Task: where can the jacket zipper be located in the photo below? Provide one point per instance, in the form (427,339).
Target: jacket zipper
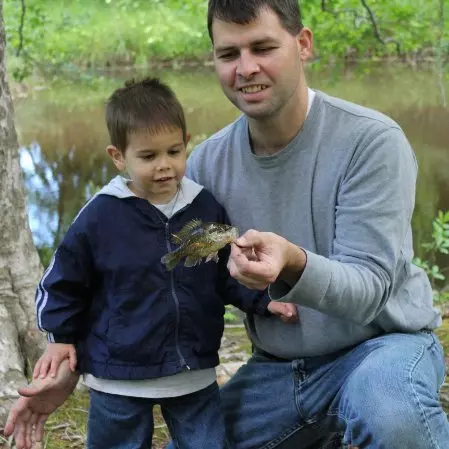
(175,297)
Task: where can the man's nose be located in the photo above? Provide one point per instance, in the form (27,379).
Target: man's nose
(247,65)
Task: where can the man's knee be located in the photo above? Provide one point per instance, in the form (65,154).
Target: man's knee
(399,426)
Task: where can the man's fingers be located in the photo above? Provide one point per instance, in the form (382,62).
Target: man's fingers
(291,309)
(249,272)
(19,436)
(40,427)
(10,422)
(248,239)
(72,359)
(29,430)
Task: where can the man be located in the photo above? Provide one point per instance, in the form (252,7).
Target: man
(331,186)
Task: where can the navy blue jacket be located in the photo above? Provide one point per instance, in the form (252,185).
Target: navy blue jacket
(107,292)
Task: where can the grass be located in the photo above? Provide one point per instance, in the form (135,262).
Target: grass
(443,335)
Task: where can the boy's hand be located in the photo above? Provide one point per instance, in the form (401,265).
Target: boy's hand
(286,311)
(52,358)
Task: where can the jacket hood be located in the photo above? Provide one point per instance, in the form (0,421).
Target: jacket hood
(118,187)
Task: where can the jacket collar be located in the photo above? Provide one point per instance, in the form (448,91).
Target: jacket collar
(118,187)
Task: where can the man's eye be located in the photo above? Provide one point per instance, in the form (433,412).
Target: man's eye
(264,49)
(227,56)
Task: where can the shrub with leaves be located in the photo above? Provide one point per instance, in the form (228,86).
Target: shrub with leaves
(438,245)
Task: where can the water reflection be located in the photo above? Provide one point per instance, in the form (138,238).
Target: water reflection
(64,136)
(57,189)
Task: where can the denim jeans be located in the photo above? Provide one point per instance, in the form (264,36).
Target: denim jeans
(123,422)
(382,393)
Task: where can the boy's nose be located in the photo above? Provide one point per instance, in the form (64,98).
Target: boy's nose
(163,164)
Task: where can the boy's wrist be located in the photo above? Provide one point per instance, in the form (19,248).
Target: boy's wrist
(262,306)
(64,339)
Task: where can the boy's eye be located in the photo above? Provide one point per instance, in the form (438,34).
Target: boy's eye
(174,152)
(147,156)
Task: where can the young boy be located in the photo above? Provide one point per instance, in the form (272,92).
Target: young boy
(140,334)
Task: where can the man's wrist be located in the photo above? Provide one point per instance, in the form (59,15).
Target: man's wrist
(296,260)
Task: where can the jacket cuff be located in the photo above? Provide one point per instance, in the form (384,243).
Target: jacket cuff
(262,306)
(65,339)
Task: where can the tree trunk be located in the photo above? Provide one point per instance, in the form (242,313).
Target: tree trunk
(20,269)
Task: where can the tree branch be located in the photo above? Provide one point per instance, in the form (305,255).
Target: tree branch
(22,22)
(372,19)
(377,30)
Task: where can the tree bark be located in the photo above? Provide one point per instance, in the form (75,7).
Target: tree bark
(20,269)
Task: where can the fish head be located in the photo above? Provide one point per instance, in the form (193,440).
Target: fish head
(223,233)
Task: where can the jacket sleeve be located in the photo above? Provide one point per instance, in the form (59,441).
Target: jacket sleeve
(250,301)
(232,292)
(64,292)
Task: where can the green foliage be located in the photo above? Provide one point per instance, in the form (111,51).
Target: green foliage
(69,35)
(438,245)
(346,28)
(63,35)
(45,254)
(230,316)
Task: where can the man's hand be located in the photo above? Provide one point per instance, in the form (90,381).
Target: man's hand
(37,401)
(259,258)
(286,311)
(52,358)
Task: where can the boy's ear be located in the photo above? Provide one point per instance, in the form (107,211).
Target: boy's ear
(188,136)
(117,157)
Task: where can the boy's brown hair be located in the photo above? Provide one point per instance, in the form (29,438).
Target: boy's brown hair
(145,104)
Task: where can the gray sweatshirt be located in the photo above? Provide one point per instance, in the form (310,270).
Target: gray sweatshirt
(344,190)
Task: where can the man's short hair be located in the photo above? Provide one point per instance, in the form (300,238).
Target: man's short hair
(246,11)
(145,104)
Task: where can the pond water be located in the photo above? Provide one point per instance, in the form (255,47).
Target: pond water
(63,136)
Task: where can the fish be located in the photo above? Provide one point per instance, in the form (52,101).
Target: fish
(199,240)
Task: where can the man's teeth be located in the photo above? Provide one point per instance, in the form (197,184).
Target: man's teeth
(253,89)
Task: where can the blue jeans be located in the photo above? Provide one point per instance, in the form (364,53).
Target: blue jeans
(383,393)
(195,420)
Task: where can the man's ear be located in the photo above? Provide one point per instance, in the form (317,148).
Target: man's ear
(305,42)
(117,157)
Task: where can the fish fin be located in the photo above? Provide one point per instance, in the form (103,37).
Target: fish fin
(192,261)
(185,232)
(212,256)
(170,260)
(175,239)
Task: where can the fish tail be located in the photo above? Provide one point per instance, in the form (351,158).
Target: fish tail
(170,260)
